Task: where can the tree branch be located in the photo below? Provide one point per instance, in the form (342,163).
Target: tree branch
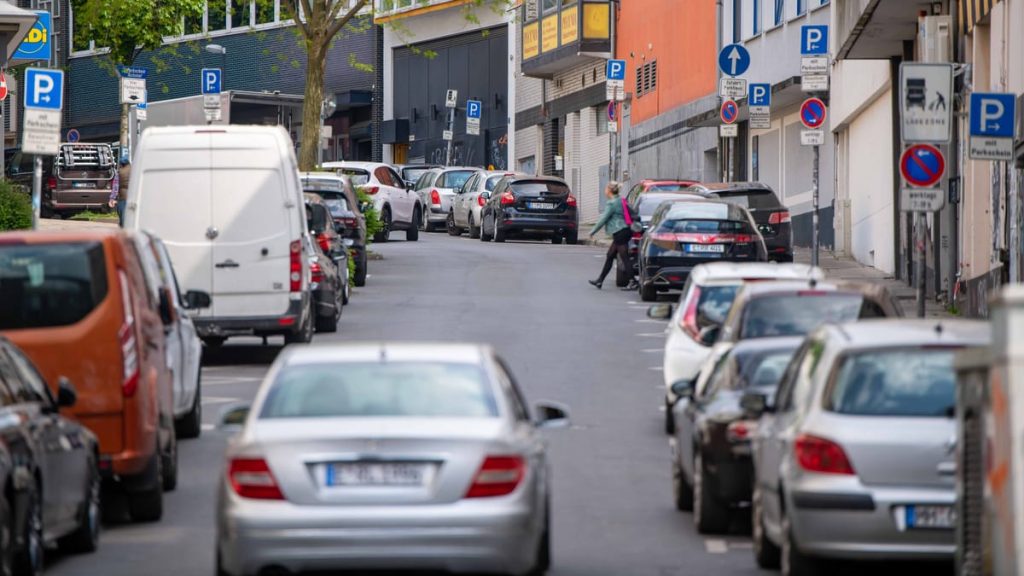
(338,24)
(292,14)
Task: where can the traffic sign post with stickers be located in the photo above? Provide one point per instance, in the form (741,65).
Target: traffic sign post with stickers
(922,167)
(814,76)
(211,83)
(615,90)
(44,99)
(474,109)
(733,61)
(451,101)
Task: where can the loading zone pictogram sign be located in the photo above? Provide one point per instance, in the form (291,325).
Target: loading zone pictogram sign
(926,106)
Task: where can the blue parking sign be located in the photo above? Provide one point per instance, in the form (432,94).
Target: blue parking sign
(993,115)
(760,95)
(211,80)
(813,40)
(474,108)
(616,70)
(44,88)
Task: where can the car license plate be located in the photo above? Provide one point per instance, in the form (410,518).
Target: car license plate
(83,185)
(706,248)
(931,517)
(376,474)
(540,205)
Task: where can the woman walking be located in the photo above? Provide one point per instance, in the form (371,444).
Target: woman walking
(614,222)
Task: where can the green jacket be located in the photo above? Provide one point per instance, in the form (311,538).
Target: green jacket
(612,220)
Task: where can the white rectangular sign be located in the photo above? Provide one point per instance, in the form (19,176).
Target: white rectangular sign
(614,90)
(211,101)
(812,137)
(983,148)
(760,117)
(811,65)
(926,106)
(447,135)
(212,114)
(922,199)
(141,113)
(613,126)
(728,130)
(732,87)
(41,133)
(133,90)
(473,126)
(451,98)
(814,83)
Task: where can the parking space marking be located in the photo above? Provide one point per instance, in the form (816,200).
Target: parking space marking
(656,368)
(652,350)
(716,546)
(651,334)
(219,400)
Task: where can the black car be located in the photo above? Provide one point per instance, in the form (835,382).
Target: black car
(410,173)
(342,201)
(688,233)
(328,269)
(48,466)
(712,461)
(771,215)
(528,206)
(645,205)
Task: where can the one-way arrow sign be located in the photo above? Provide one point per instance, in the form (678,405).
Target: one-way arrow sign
(734,60)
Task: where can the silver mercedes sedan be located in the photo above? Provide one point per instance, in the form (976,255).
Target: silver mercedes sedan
(387,456)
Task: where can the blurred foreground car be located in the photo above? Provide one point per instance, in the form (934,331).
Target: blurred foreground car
(855,456)
(393,456)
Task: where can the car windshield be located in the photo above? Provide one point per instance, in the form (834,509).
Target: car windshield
(492,182)
(357,176)
(797,314)
(376,389)
(907,382)
(46,285)
(764,369)
(752,199)
(413,174)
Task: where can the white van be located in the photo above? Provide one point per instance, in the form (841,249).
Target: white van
(227,202)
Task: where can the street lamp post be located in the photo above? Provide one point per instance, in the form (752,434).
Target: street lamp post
(327,108)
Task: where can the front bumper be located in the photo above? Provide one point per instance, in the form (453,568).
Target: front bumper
(221,327)
(487,535)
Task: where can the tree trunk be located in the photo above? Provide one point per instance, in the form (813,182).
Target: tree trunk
(316,57)
(124,126)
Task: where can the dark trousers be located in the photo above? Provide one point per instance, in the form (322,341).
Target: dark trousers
(120,213)
(618,249)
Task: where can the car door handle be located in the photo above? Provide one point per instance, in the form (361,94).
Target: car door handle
(227,264)
(946,469)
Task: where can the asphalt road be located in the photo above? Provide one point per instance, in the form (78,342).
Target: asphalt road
(565,341)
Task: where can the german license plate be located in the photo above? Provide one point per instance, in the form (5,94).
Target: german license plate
(931,517)
(83,185)
(706,248)
(540,205)
(376,474)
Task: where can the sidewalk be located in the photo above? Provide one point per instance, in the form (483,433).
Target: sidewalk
(50,225)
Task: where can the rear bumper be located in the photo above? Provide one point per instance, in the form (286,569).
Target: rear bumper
(668,277)
(513,221)
(290,321)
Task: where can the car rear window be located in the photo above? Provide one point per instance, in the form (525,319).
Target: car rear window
(336,203)
(704,226)
(752,199)
(765,369)
(539,187)
(455,179)
(48,285)
(358,177)
(903,382)
(797,314)
(492,182)
(648,204)
(397,389)
(668,187)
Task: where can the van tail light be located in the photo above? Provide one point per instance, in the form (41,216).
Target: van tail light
(779,217)
(128,341)
(295,266)
(324,242)
(689,320)
(498,476)
(816,454)
(571,201)
(435,197)
(508,198)
(251,478)
(316,272)
(480,200)
(740,431)
(51,183)
(371,190)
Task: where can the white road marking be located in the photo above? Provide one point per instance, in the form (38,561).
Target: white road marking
(661,408)
(218,400)
(652,334)
(208,427)
(656,368)
(716,546)
(649,321)
(741,545)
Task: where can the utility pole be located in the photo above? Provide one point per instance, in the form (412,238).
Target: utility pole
(815,215)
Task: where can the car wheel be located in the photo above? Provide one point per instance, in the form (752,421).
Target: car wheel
(28,560)
(148,505)
(499,234)
(327,324)
(86,538)
(170,465)
(542,563)
(709,516)
(385,222)
(793,562)
(474,231)
(412,233)
(556,238)
(648,293)
(572,237)
(360,279)
(424,221)
(766,553)
(303,336)
(670,419)
(346,292)
(190,425)
(484,236)
(681,489)
(622,275)
(449,222)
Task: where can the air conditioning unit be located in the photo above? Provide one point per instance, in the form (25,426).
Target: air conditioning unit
(934,38)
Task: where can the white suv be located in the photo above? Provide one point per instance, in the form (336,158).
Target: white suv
(399,208)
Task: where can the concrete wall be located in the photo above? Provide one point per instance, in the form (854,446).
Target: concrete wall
(664,147)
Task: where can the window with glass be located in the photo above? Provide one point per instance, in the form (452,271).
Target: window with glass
(241,13)
(216,15)
(265,11)
(550,5)
(912,382)
(757,17)
(796,314)
(801,6)
(780,11)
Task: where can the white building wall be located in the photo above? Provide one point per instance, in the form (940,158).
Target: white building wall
(868,185)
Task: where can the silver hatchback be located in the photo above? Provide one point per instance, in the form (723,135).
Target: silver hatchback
(854,459)
(387,456)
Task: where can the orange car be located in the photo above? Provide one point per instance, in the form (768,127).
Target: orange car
(79,305)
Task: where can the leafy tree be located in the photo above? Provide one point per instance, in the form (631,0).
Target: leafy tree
(127,27)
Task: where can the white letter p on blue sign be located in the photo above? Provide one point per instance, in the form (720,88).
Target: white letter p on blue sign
(616,70)
(211,80)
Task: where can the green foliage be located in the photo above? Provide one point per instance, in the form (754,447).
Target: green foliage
(351,261)
(127,27)
(370,214)
(15,208)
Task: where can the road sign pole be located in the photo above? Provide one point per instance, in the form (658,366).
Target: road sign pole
(922,252)
(37,190)
(814,202)
(451,128)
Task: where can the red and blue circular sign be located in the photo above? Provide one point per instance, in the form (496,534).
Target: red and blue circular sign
(730,112)
(922,165)
(813,113)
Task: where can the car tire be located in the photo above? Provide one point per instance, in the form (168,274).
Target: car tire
(360,279)
(484,236)
(622,276)
(670,419)
(542,563)
(474,231)
(412,233)
(682,492)
(499,234)
(148,505)
(169,466)
(385,221)
(86,538)
(28,560)
(328,324)
(303,336)
(556,238)
(709,516)
(648,293)
(572,237)
(766,553)
(793,562)
(191,424)
(345,292)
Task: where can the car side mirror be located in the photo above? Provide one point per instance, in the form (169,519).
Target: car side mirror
(683,389)
(660,312)
(754,404)
(233,417)
(709,335)
(66,394)
(486,194)
(167,314)
(197,300)
(551,415)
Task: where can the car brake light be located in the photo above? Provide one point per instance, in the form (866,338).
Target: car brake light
(316,272)
(435,198)
(779,217)
(571,201)
(740,430)
(508,198)
(324,242)
(480,200)
(498,476)
(251,478)
(638,235)
(737,238)
(664,236)
(816,454)
(689,320)
(295,266)
(371,190)
(51,183)
(128,341)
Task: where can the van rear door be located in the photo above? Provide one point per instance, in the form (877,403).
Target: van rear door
(254,220)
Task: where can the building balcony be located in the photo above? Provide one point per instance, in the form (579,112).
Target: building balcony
(557,35)
(875,29)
